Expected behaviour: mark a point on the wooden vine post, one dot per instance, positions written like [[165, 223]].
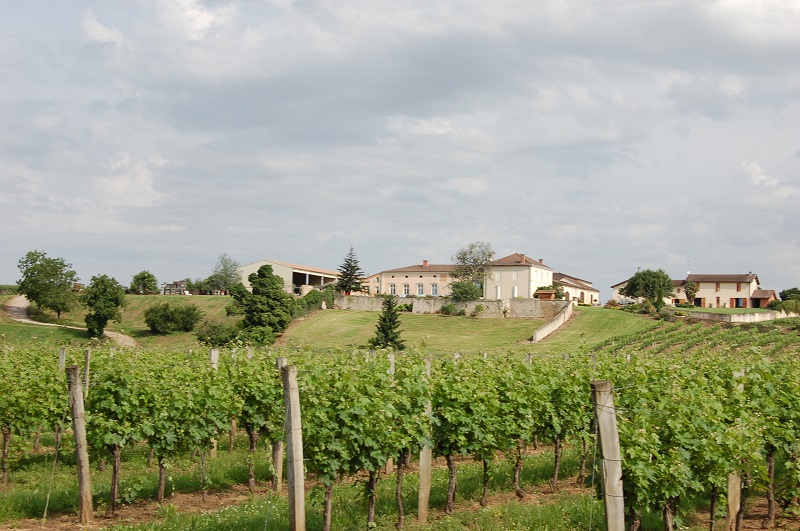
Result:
[[425, 461], [734, 483], [610, 456], [81, 448], [213, 358], [277, 445], [295, 475], [86, 358]]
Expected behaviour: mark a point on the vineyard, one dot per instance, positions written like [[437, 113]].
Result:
[[694, 403]]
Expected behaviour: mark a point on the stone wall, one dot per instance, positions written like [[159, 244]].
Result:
[[556, 323], [492, 309], [755, 317]]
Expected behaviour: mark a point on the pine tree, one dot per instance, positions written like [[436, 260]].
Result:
[[350, 274], [387, 331]]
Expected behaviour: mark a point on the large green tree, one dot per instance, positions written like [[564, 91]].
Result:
[[47, 282], [225, 274], [268, 306], [649, 284], [144, 283], [350, 274], [103, 297], [790, 294], [472, 262], [387, 331]]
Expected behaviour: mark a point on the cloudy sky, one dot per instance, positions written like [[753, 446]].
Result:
[[601, 136]]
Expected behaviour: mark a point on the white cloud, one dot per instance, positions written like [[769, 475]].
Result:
[[133, 185], [94, 31]]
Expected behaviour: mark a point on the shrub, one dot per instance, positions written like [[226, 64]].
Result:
[[647, 308], [161, 318], [477, 310], [464, 291], [405, 307], [260, 335], [449, 309], [217, 334], [185, 318], [612, 304], [684, 305]]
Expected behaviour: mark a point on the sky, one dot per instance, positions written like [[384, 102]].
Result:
[[600, 136]]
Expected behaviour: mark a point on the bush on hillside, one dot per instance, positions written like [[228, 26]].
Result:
[[217, 334], [162, 318]]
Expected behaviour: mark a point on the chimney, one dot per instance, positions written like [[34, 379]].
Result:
[[541, 260], [424, 263]]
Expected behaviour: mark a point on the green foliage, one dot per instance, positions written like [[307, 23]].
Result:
[[405, 308], [387, 331], [350, 274], [144, 283], [8, 289], [788, 305], [103, 297], [790, 294], [313, 301], [472, 262], [225, 274], [558, 288], [268, 305], [650, 285], [47, 282], [449, 309], [691, 288], [217, 334], [464, 291], [163, 318]]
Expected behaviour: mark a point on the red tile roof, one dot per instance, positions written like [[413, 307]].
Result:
[[518, 259]]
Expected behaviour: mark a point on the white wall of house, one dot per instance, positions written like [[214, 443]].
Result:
[[723, 294], [508, 282]]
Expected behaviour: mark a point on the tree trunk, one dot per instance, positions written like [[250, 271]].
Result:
[[518, 470], [6, 446], [232, 436], [584, 458], [402, 459], [150, 457], [535, 442], [556, 463], [115, 470], [37, 439], [252, 434], [452, 485], [745, 491], [635, 520], [485, 497], [328, 508], [162, 480], [769, 521], [101, 464], [372, 490], [712, 510], [670, 507]]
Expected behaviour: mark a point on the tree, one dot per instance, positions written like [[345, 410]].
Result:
[[387, 331], [144, 283], [268, 305], [47, 282], [103, 298], [465, 290], [790, 294], [691, 288], [225, 274], [350, 274], [472, 262], [649, 284]]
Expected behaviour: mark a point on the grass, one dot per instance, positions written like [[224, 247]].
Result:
[[351, 329]]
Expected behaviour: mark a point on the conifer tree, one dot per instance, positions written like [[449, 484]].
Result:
[[350, 274], [387, 331]]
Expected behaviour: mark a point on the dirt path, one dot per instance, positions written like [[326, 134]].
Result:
[[17, 309]]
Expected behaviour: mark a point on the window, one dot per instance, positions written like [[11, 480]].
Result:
[[738, 286], [514, 275], [420, 289], [717, 286], [392, 289], [434, 289], [406, 289]]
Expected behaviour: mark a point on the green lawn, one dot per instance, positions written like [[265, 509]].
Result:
[[435, 333]]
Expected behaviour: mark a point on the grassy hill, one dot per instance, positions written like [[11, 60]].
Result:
[[439, 333]]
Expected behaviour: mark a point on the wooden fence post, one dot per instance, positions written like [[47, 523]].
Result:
[[425, 461], [81, 449], [610, 456], [734, 482], [62, 358], [213, 357], [277, 445], [295, 474]]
